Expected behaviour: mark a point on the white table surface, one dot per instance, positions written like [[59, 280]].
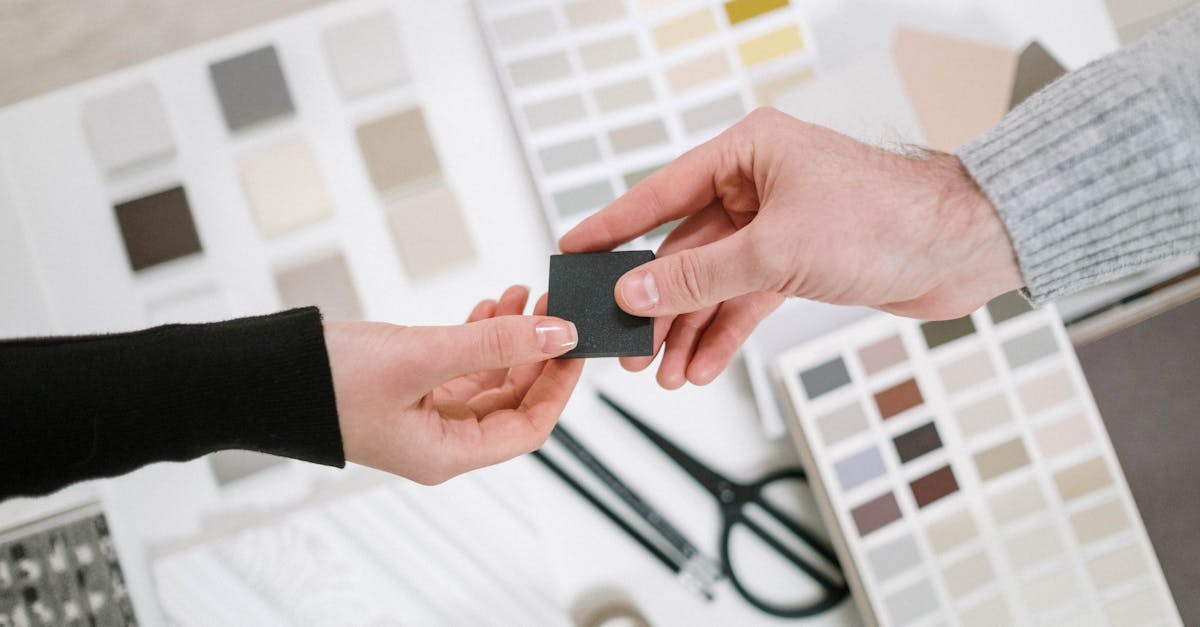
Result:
[[453, 80]]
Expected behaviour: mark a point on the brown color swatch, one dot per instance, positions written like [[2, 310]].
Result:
[[1036, 68], [876, 513], [919, 441], [958, 88], [933, 486], [157, 228], [397, 150], [898, 398]]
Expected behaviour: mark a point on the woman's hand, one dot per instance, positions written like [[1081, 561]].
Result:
[[429, 403]]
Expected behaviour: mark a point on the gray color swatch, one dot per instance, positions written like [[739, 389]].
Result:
[[606, 52], [1030, 347], [572, 154], [842, 424], [127, 128], [718, 113], [530, 26], [906, 605], [624, 94], [637, 136], [251, 88], [1007, 306], [556, 111], [894, 558], [366, 55], [826, 377], [859, 468], [539, 69], [584, 198]]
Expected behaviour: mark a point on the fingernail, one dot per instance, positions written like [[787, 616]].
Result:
[[640, 292], [556, 336]]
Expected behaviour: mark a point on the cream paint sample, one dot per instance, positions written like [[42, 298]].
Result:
[[430, 232], [285, 188], [1134, 18], [958, 88]]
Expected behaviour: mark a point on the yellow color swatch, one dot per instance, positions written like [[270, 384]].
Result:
[[771, 45], [686, 28], [742, 10]]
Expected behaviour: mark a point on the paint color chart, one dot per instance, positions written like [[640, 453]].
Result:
[[604, 92], [967, 475]]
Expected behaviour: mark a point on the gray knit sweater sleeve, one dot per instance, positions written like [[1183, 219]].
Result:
[[1098, 175]]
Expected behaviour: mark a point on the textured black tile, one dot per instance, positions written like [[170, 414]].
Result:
[[581, 290]]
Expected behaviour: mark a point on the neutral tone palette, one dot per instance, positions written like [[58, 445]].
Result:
[[603, 92], [967, 476]]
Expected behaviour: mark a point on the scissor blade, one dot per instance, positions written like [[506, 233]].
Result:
[[713, 481]]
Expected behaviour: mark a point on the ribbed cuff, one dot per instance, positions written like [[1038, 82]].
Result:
[[1098, 175]]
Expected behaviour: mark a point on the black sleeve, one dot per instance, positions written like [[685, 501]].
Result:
[[75, 408]]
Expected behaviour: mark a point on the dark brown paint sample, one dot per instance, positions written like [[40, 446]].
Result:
[[876, 513], [917, 442], [898, 398], [157, 228], [933, 486]]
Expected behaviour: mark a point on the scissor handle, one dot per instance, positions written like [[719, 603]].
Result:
[[832, 591]]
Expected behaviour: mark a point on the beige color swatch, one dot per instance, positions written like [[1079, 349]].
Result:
[[325, 283], [767, 92], [397, 150], [968, 575], [430, 232], [958, 88], [951, 531], [285, 188], [685, 28], [698, 71]]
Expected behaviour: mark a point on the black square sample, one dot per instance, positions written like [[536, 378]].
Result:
[[251, 88], [581, 291]]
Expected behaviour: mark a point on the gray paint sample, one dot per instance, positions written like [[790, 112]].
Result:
[[894, 558], [584, 199], [572, 154], [1007, 306], [940, 332], [907, 605], [127, 128], [624, 94], [859, 468], [606, 52], [720, 112], [635, 177], [556, 111], [524, 27], [366, 55], [251, 88], [842, 424], [636, 136], [539, 69], [824, 378], [584, 13], [1030, 347]]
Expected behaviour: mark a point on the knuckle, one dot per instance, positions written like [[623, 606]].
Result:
[[691, 276], [498, 343]]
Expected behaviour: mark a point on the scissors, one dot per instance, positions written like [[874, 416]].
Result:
[[734, 499]]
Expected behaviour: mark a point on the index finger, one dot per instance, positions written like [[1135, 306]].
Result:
[[680, 188]]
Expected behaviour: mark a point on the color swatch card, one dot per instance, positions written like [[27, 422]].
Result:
[[604, 92], [966, 475]]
